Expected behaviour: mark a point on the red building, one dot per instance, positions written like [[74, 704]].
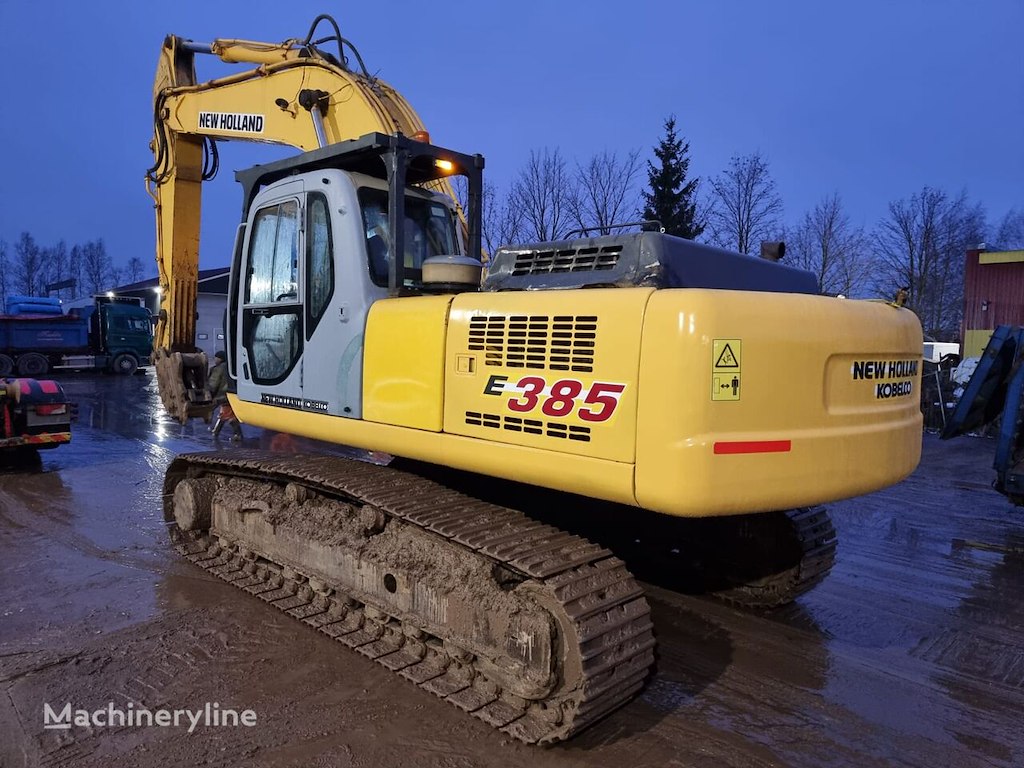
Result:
[[993, 295]]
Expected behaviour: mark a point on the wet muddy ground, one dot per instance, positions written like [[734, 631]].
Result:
[[911, 653]]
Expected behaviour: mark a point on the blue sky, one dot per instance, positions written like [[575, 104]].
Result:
[[869, 99]]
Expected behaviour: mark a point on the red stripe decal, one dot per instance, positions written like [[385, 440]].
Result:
[[49, 387], [25, 385], [754, 446]]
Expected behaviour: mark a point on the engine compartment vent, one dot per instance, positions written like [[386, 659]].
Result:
[[584, 259], [529, 426], [558, 343]]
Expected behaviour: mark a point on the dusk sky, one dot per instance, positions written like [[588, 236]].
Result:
[[872, 100]]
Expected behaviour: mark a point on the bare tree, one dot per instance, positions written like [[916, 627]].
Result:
[[55, 260], [503, 221], [4, 273], [1010, 235], [99, 272], [604, 191], [500, 221], [744, 207], [75, 260], [29, 275], [541, 196], [826, 244], [133, 272], [920, 246]]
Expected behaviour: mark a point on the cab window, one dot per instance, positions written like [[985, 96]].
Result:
[[273, 255], [429, 231], [272, 317], [320, 261]]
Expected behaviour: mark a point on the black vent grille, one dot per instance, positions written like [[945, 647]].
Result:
[[590, 259], [529, 426], [559, 343]]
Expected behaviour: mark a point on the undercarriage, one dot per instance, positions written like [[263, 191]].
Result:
[[533, 630]]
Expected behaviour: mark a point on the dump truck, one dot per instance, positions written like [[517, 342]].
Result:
[[639, 373], [110, 333]]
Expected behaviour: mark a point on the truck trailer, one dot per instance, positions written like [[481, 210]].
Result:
[[112, 333], [34, 415]]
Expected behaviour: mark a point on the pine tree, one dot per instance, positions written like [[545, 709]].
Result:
[[672, 199]]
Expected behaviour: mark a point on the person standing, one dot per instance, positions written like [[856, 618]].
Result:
[[217, 382]]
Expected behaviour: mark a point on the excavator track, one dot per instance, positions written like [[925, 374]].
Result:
[[760, 561], [812, 540], [562, 636]]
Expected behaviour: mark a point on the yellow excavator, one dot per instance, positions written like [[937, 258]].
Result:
[[684, 405]]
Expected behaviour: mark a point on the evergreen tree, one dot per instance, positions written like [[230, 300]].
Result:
[[672, 199]]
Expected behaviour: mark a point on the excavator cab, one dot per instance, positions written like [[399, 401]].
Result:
[[375, 196], [416, 223], [324, 236]]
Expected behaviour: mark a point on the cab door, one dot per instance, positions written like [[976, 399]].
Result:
[[338, 298], [270, 320]]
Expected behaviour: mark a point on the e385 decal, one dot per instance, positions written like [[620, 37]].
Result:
[[560, 398]]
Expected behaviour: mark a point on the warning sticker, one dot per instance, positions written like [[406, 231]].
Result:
[[725, 386], [726, 362], [726, 354]]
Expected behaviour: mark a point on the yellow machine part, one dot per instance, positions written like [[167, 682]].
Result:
[[684, 401], [772, 401], [403, 362], [363, 110], [975, 341], [523, 365]]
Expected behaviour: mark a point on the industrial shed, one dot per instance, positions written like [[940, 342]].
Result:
[[993, 295]]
